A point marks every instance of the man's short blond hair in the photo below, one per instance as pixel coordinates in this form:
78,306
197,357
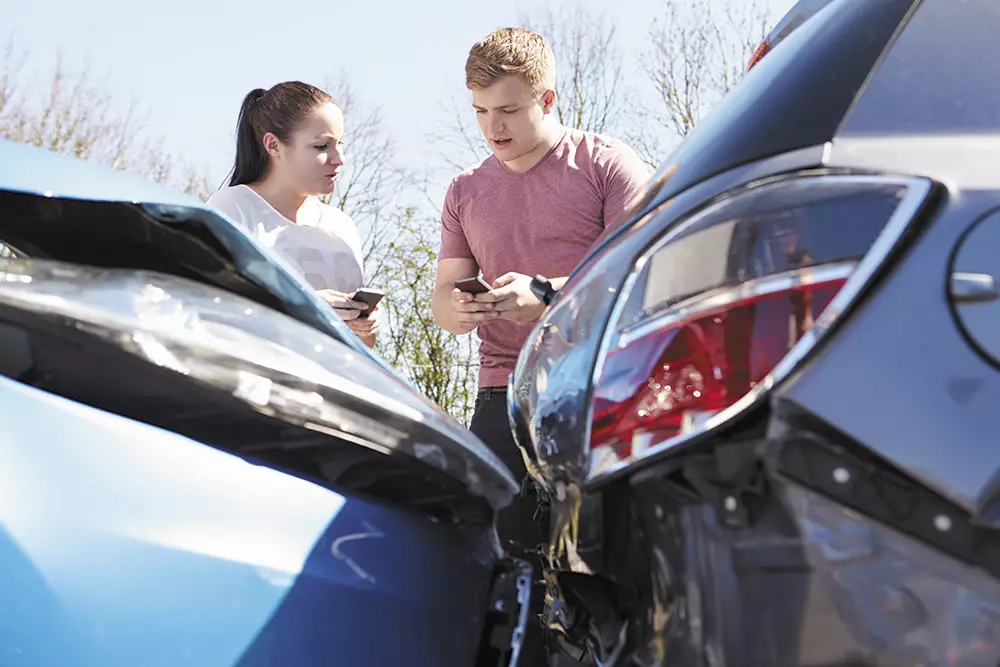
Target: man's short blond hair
507,51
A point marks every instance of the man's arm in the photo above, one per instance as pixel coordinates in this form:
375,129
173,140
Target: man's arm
455,311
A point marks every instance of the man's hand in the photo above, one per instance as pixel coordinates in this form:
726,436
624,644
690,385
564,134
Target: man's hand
468,312
512,299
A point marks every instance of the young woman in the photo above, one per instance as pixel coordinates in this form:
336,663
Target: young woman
289,151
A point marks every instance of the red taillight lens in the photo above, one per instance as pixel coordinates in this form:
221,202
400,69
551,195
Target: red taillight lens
726,302
665,378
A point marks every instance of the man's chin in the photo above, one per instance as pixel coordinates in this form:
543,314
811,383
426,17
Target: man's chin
507,153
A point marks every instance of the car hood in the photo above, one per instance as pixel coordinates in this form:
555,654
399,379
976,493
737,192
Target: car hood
60,208
103,243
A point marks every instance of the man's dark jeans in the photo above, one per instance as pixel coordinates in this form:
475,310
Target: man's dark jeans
523,530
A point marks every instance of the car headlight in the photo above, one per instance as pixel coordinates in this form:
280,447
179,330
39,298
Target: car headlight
273,363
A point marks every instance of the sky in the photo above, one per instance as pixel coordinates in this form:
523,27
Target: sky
190,62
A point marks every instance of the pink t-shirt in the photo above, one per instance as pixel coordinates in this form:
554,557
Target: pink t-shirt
542,221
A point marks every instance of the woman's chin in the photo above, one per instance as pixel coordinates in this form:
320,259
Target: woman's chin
326,188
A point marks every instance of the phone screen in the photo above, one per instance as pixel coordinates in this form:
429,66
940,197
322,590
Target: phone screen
368,296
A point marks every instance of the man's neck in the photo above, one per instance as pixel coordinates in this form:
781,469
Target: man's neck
282,199
550,137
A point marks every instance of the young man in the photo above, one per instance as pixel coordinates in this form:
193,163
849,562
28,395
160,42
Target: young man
536,206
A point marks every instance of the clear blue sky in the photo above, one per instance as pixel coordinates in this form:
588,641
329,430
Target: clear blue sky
192,61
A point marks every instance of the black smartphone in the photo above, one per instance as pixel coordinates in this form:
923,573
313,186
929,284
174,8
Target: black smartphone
473,285
368,296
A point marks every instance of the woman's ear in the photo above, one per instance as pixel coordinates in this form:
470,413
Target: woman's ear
271,144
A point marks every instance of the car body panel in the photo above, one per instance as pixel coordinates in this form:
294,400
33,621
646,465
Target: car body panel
125,544
913,92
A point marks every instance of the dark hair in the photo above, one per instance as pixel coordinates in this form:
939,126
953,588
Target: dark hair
279,110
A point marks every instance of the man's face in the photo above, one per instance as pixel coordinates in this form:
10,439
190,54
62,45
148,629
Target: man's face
511,117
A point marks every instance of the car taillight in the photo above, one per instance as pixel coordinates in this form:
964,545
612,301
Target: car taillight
728,301
671,377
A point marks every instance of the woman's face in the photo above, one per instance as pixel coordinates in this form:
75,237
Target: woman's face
312,158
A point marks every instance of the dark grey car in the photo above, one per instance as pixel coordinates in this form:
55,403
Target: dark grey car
765,412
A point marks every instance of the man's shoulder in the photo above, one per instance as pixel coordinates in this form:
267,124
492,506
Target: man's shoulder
599,146
484,170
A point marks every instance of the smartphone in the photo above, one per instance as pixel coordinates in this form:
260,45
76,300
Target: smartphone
473,285
368,296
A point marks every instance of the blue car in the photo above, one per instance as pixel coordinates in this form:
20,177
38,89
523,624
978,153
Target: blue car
201,465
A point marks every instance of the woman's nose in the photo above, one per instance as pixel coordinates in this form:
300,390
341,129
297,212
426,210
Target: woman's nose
337,156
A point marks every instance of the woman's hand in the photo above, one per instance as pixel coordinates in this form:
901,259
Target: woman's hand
347,309
366,327
350,311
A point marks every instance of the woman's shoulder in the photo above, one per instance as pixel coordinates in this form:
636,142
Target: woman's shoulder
231,200
240,193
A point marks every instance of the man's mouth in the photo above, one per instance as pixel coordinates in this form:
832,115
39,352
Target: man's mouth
500,143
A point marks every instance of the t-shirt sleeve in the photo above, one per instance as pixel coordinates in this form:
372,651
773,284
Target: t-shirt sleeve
454,243
627,176
224,202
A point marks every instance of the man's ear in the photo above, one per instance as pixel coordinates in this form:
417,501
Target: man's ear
548,101
271,144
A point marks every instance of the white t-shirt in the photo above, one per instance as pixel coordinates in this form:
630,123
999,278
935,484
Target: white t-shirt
324,247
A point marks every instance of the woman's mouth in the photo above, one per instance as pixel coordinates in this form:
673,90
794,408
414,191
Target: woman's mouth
500,143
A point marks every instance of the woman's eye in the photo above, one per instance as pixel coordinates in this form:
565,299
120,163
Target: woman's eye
509,111
322,147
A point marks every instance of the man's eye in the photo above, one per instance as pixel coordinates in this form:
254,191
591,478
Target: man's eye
480,112
322,147
510,110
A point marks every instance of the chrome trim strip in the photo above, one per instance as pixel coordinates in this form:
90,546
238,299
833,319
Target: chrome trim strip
603,467
730,294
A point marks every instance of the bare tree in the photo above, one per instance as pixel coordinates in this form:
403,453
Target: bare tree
401,244
458,141
74,114
441,366
374,182
590,85
697,52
